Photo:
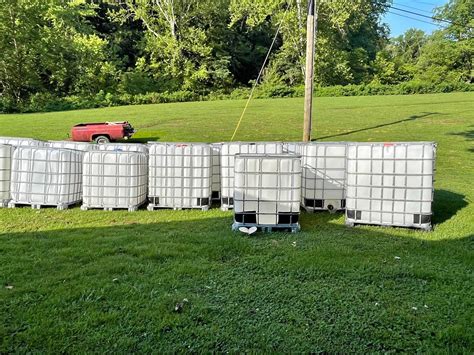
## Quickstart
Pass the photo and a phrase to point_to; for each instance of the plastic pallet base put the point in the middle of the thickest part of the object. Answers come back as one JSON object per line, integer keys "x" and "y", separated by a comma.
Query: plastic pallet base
{"x": 227, "y": 203}
{"x": 153, "y": 207}
{"x": 314, "y": 210}
{"x": 427, "y": 228}
{"x": 130, "y": 208}
{"x": 37, "y": 206}
{"x": 268, "y": 228}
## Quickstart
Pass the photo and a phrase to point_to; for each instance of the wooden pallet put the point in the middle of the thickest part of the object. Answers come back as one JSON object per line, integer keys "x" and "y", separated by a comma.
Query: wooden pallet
{"x": 294, "y": 228}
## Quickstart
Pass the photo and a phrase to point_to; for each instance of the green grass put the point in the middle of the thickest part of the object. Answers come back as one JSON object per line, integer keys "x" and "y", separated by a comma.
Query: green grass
{"x": 110, "y": 281}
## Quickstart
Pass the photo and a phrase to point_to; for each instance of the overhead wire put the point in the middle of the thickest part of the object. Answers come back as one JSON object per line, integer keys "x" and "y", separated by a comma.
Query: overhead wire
{"x": 413, "y": 8}
{"x": 259, "y": 74}
{"x": 434, "y": 18}
{"x": 422, "y": 15}
{"x": 425, "y": 3}
{"x": 416, "y": 19}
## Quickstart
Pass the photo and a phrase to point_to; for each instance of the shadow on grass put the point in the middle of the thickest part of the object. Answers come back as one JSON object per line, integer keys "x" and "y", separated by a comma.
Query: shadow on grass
{"x": 409, "y": 119}
{"x": 446, "y": 205}
{"x": 469, "y": 135}
{"x": 160, "y": 285}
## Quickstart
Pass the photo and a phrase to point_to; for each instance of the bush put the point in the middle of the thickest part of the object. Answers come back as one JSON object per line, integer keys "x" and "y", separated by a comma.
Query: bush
{"x": 43, "y": 102}
{"x": 267, "y": 91}
{"x": 7, "y": 105}
{"x": 239, "y": 94}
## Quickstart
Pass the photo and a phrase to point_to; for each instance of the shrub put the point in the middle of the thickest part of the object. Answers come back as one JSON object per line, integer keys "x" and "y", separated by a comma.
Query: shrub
{"x": 7, "y": 105}
{"x": 269, "y": 91}
{"x": 42, "y": 102}
{"x": 240, "y": 93}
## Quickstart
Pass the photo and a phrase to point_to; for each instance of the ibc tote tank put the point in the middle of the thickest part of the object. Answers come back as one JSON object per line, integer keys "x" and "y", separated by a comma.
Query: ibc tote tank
{"x": 390, "y": 184}
{"x": 5, "y": 173}
{"x": 228, "y": 152}
{"x": 114, "y": 180}
{"x": 324, "y": 176}
{"x": 180, "y": 175}
{"x": 122, "y": 147}
{"x": 267, "y": 191}
{"x": 216, "y": 171}
{"x": 82, "y": 146}
{"x": 294, "y": 147}
{"x": 22, "y": 142}
{"x": 43, "y": 176}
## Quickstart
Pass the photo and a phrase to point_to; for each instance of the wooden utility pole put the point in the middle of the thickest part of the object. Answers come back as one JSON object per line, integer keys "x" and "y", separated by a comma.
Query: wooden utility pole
{"x": 309, "y": 79}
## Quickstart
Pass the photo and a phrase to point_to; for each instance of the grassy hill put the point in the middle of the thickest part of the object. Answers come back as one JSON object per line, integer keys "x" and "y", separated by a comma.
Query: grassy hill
{"x": 77, "y": 281}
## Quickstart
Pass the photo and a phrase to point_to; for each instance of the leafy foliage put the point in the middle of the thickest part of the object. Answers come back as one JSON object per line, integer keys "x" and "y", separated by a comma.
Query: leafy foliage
{"x": 444, "y": 56}
{"x": 75, "y": 54}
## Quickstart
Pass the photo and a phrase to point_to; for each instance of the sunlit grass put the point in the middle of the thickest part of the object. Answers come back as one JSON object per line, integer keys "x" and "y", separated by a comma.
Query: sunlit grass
{"x": 96, "y": 281}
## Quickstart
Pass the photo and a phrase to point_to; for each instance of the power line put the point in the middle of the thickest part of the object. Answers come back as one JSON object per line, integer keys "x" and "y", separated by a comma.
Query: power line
{"x": 426, "y": 3}
{"x": 413, "y": 8}
{"x": 416, "y": 19}
{"x": 267, "y": 57}
{"x": 421, "y": 15}
{"x": 434, "y": 18}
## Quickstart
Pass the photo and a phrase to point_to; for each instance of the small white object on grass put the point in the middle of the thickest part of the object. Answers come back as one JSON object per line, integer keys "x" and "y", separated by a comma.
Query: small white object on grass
{"x": 397, "y": 258}
{"x": 248, "y": 231}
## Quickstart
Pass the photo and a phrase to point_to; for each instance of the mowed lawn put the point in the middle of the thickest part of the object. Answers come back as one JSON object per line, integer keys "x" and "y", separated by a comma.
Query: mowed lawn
{"x": 169, "y": 281}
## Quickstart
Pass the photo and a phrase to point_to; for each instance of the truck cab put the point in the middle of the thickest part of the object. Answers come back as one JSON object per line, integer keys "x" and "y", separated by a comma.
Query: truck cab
{"x": 101, "y": 133}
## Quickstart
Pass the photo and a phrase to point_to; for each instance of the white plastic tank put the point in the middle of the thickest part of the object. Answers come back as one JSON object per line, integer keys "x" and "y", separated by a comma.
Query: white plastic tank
{"x": 6, "y": 152}
{"x": 114, "y": 180}
{"x": 294, "y": 147}
{"x": 122, "y": 147}
{"x": 216, "y": 171}
{"x": 43, "y": 176}
{"x": 324, "y": 175}
{"x": 267, "y": 191}
{"x": 22, "y": 142}
{"x": 180, "y": 175}
{"x": 390, "y": 184}
{"x": 82, "y": 146}
{"x": 228, "y": 152}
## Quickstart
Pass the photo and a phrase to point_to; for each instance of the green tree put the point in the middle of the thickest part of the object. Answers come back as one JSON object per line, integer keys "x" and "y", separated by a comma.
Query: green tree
{"x": 19, "y": 45}
{"x": 461, "y": 34}
{"x": 49, "y": 46}
{"x": 348, "y": 37}
{"x": 397, "y": 61}
{"x": 181, "y": 46}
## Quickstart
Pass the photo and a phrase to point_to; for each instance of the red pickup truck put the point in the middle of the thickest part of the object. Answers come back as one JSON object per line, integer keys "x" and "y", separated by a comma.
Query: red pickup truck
{"x": 100, "y": 133}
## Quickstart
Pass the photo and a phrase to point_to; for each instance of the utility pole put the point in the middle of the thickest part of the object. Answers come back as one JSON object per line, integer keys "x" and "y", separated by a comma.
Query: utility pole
{"x": 309, "y": 78}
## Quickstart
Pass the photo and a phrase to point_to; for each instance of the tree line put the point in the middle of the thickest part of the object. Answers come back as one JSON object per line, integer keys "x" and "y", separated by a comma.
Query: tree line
{"x": 80, "y": 53}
